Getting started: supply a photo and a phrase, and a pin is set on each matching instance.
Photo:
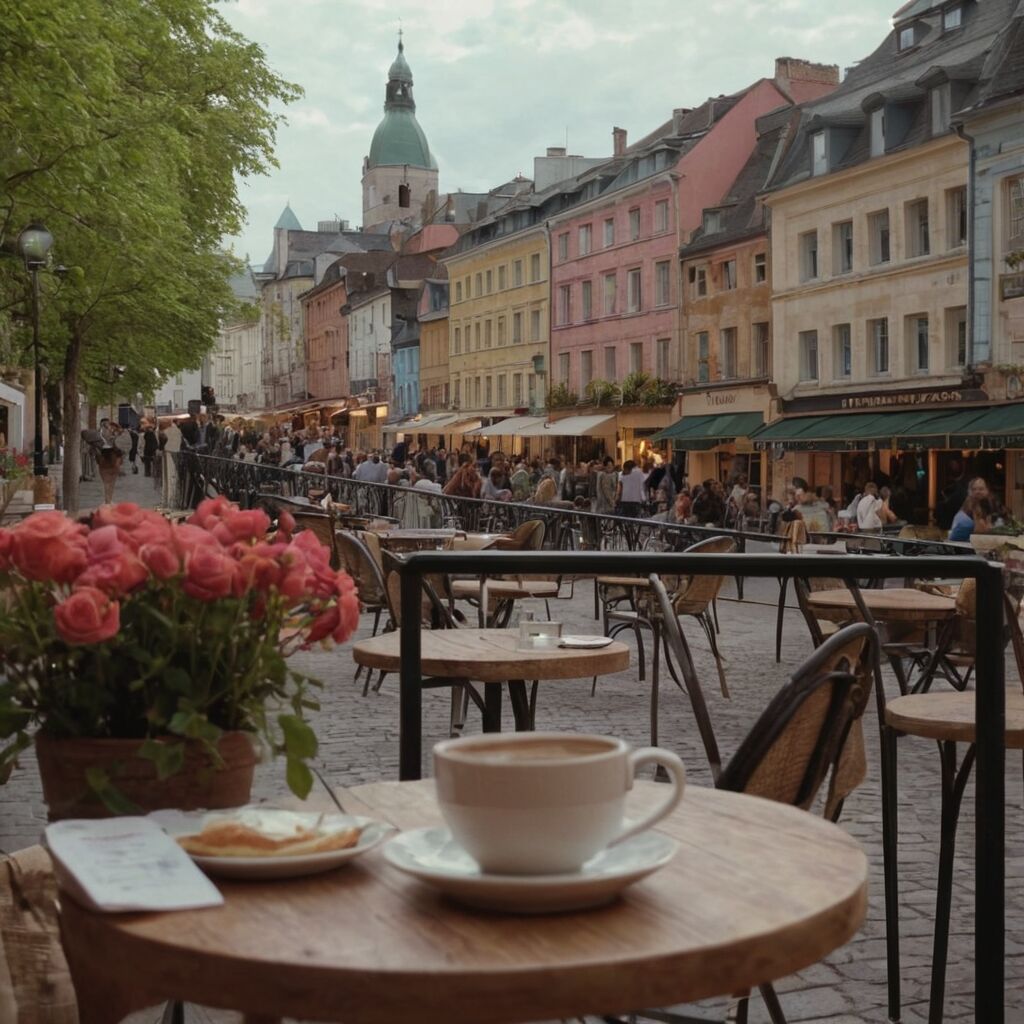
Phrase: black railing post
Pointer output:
(990, 800)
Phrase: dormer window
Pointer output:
(952, 17)
(940, 97)
(819, 157)
(907, 37)
(712, 221)
(878, 131)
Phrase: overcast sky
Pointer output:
(498, 81)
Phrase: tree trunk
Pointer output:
(72, 424)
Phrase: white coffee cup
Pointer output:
(543, 803)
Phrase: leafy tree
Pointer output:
(560, 397)
(127, 124)
(602, 392)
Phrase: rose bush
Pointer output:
(132, 627)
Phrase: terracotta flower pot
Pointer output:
(63, 764)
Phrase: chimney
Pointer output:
(792, 69)
(618, 141)
(677, 119)
(556, 151)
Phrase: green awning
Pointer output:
(992, 427)
(699, 433)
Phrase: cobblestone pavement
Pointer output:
(359, 744)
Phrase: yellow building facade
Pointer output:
(435, 394)
(498, 326)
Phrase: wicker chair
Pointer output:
(324, 526)
(364, 566)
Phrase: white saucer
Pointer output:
(432, 856)
(179, 823)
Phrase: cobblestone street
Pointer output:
(359, 744)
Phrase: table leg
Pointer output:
(520, 705)
(492, 707)
(890, 828)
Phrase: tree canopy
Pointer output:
(127, 125)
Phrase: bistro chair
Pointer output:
(324, 525)
(810, 732)
(365, 568)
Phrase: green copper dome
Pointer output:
(399, 139)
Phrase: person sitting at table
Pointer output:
(975, 516)
(520, 482)
(492, 488)
(465, 481)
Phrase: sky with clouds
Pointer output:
(498, 81)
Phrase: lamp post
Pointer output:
(34, 245)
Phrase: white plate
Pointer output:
(432, 856)
(584, 641)
(182, 823)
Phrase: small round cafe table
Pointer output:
(893, 604)
(492, 657)
(757, 891)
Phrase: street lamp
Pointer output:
(34, 245)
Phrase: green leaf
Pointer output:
(113, 799)
(299, 738)
(299, 777)
(167, 757)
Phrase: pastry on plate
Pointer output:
(267, 833)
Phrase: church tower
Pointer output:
(400, 172)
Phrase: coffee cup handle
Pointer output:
(674, 766)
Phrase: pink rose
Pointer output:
(124, 514)
(149, 528)
(48, 546)
(161, 561)
(115, 576)
(210, 512)
(186, 538)
(256, 571)
(285, 525)
(88, 616)
(338, 622)
(209, 574)
(104, 543)
(245, 525)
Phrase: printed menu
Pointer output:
(123, 864)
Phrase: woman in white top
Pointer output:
(631, 489)
(869, 509)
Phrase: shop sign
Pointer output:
(1011, 286)
(866, 401)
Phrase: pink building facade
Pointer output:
(615, 286)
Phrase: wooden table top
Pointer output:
(897, 604)
(504, 589)
(950, 716)
(491, 656)
(623, 581)
(475, 541)
(757, 891)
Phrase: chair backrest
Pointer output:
(693, 596)
(433, 613)
(361, 565)
(680, 652)
(794, 536)
(1013, 612)
(323, 525)
(805, 731)
(804, 587)
(528, 536)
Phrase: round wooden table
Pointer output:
(492, 657)
(757, 891)
(950, 716)
(405, 540)
(897, 604)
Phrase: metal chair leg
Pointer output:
(771, 1002)
(783, 586)
(890, 829)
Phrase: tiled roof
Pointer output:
(1003, 74)
(895, 78)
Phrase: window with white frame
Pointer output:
(517, 389)
(609, 232)
(703, 356)
(489, 392)
(517, 328)
(842, 247)
(761, 353)
(662, 283)
(458, 291)
(479, 285)
(1015, 204)
(458, 393)
(502, 277)
(634, 223)
(842, 351)
(952, 17)
(564, 303)
(611, 284)
(878, 335)
(918, 239)
(712, 222)
(517, 273)
(457, 341)
(956, 333)
(609, 363)
(476, 336)
(760, 267)
(586, 367)
(661, 215)
(564, 367)
(501, 331)
(502, 389)
(808, 246)
(534, 325)
(876, 131)
(729, 275)
(956, 217)
(563, 246)
(727, 352)
(808, 348)
(585, 239)
(819, 154)
(587, 298)
(487, 334)
(907, 37)
(700, 282)
(941, 112)
(662, 358)
(476, 393)
(535, 267)
(634, 296)
(878, 232)
(918, 343)
(489, 278)
(636, 357)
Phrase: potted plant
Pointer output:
(14, 475)
(147, 661)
